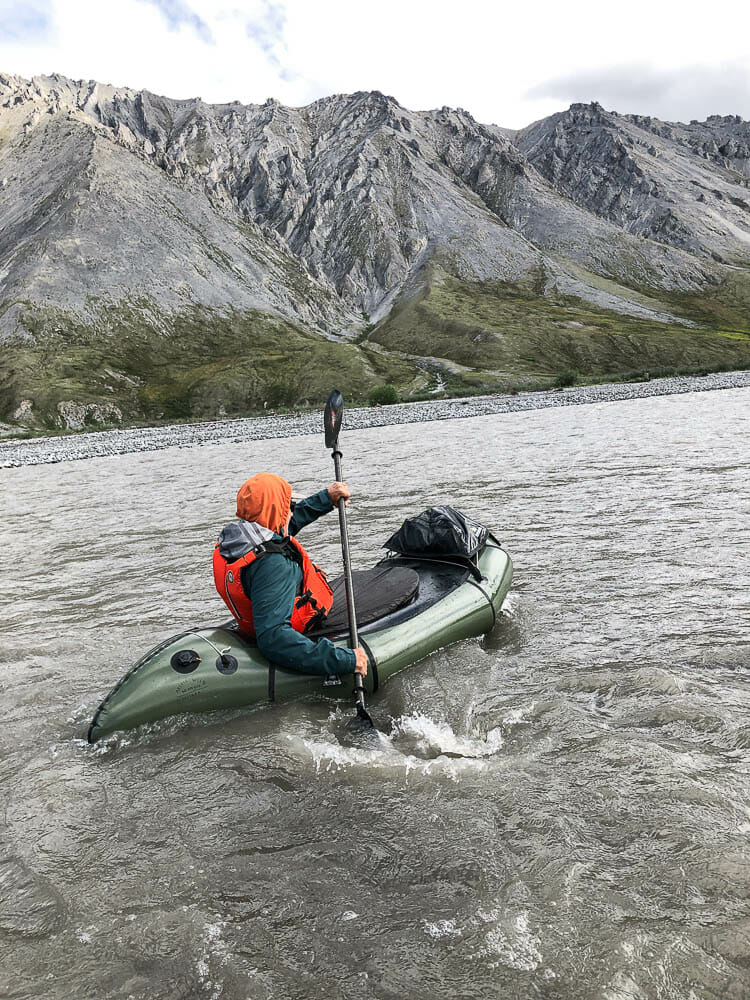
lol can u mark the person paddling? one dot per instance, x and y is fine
(273, 589)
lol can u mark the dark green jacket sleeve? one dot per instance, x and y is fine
(271, 584)
(310, 510)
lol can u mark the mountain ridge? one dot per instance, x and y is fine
(336, 217)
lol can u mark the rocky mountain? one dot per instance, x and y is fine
(681, 185)
(163, 258)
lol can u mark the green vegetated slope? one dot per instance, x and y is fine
(506, 331)
(724, 308)
(132, 363)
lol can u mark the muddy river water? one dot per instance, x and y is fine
(559, 810)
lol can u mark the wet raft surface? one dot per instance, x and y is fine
(558, 811)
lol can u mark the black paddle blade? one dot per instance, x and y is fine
(332, 417)
(362, 721)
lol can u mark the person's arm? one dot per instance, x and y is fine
(309, 510)
(271, 584)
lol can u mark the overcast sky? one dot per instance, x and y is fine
(505, 63)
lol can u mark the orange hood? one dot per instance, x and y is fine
(265, 499)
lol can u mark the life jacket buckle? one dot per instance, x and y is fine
(317, 620)
(306, 598)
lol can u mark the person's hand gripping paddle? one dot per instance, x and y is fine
(332, 417)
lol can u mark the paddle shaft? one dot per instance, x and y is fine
(353, 639)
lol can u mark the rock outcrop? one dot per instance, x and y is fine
(327, 213)
(685, 186)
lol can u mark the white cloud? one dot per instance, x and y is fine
(21, 21)
(489, 58)
(678, 94)
(178, 12)
(132, 43)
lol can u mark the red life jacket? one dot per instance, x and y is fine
(311, 605)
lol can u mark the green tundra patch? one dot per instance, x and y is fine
(498, 327)
(132, 363)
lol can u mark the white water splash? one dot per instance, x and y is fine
(508, 607)
(505, 938)
(442, 929)
(522, 716)
(431, 736)
(509, 941)
(416, 744)
(213, 951)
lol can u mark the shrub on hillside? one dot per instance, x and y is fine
(282, 393)
(383, 395)
(566, 378)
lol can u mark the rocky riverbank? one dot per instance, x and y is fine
(67, 448)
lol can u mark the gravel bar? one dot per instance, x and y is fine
(96, 444)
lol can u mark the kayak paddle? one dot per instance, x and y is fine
(332, 417)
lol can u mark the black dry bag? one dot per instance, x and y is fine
(438, 531)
